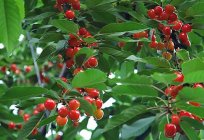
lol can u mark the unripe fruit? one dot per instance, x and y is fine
(61, 121)
(170, 45)
(69, 14)
(98, 114)
(158, 10)
(94, 93)
(169, 9)
(170, 130)
(11, 125)
(167, 55)
(98, 103)
(74, 104)
(74, 115)
(151, 14)
(63, 112)
(49, 104)
(160, 46)
(175, 119)
(186, 28)
(179, 77)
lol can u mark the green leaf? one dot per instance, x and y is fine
(196, 9)
(194, 123)
(63, 84)
(17, 93)
(158, 62)
(134, 90)
(89, 78)
(164, 78)
(90, 40)
(121, 118)
(191, 134)
(10, 24)
(183, 54)
(82, 56)
(86, 106)
(137, 128)
(123, 27)
(65, 26)
(47, 52)
(47, 120)
(30, 126)
(127, 69)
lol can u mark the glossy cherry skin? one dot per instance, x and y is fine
(183, 37)
(151, 14)
(61, 121)
(74, 115)
(63, 112)
(98, 114)
(69, 14)
(70, 63)
(49, 104)
(175, 119)
(77, 70)
(26, 117)
(170, 130)
(186, 28)
(179, 77)
(94, 93)
(69, 52)
(197, 85)
(11, 125)
(82, 31)
(169, 9)
(98, 103)
(74, 104)
(89, 99)
(167, 30)
(158, 10)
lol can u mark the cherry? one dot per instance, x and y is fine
(74, 115)
(92, 62)
(173, 90)
(187, 43)
(169, 9)
(70, 14)
(158, 10)
(64, 79)
(153, 38)
(196, 104)
(76, 49)
(197, 85)
(19, 126)
(49, 104)
(98, 114)
(121, 44)
(63, 112)
(186, 28)
(11, 125)
(183, 37)
(75, 123)
(70, 63)
(35, 131)
(76, 5)
(175, 119)
(179, 77)
(77, 70)
(164, 16)
(167, 30)
(89, 99)
(167, 55)
(151, 14)
(60, 65)
(13, 67)
(170, 45)
(26, 117)
(173, 17)
(82, 31)
(40, 107)
(185, 114)
(94, 93)
(170, 130)
(61, 121)
(160, 46)
(3, 69)
(28, 69)
(74, 104)
(98, 103)
(177, 25)
(153, 44)
(69, 52)
(35, 112)
(160, 26)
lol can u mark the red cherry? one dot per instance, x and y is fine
(151, 14)
(49, 104)
(40, 107)
(77, 70)
(35, 112)
(89, 99)
(177, 25)
(92, 62)
(158, 10)
(3, 69)
(197, 85)
(186, 28)
(98, 103)
(70, 63)
(28, 69)
(170, 130)
(153, 44)
(167, 30)
(76, 49)
(173, 17)
(11, 125)
(153, 38)
(35, 131)
(175, 119)
(185, 114)
(61, 121)
(26, 117)
(76, 5)
(82, 31)
(60, 65)
(179, 77)
(63, 112)
(121, 44)
(19, 126)
(183, 37)
(196, 104)
(187, 43)
(69, 52)
(173, 90)
(74, 115)
(70, 14)
(169, 9)
(94, 93)
(163, 16)
(74, 104)
(75, 123)
(160, 26)
(13, 67)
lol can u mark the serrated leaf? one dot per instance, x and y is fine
(164, 78)
(191, 134)
(47, 120)
(183, 54)
(86, 106)
(47, 52)
(65, 26)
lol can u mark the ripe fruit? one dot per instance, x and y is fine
(98, 114)
(13, 67)
(183, 37)
(69, 52)
(76, 5)
(185, 114)
(151, 14)
(173, 90)
(82, 31)
(94, 93)
(3, 69)
(63, 112)
(170, 130)
(160, 46)
(170, 45)
(98, 103)
(28, 69)
(74, 115)
(179, 77)
(61, 121)
(70, 63)
(35, 131)
(186, 28)
(121, 44)
(89, 99)
(91, 62)
(74, 104)
(175, 119)
(197, 85)
(77, 70)
(167, 30)
(169, 9)
(153, 44)
(173, 17)
(26, 117)
(70, 14)
(164, 16)
(49, 104)
(11, 125)
(35, 112)
(64, 79)
(75, 123)
(177, 25)
(158, 10)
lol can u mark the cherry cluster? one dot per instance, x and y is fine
(13, 68)
(172, 128)
(170, 27)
